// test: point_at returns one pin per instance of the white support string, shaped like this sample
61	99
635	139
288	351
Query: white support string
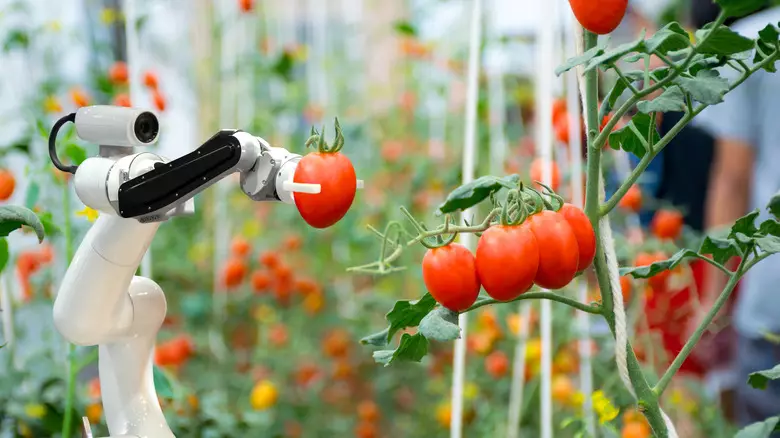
545	51
518	372
132	45
469	152
578	198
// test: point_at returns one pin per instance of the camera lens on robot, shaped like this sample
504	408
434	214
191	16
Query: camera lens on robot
146	127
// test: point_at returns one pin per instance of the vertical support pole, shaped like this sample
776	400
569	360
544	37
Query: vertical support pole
469	152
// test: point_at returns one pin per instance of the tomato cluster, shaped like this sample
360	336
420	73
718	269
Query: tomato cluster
548	249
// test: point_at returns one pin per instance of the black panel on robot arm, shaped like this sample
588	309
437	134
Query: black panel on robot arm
169	182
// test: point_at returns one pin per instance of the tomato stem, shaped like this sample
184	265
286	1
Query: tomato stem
534	295
551	193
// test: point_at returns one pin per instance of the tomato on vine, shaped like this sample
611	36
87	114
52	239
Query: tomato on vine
583	231
7	184
559	254
336	176
667	224
507	260
600	17
632	200
450	275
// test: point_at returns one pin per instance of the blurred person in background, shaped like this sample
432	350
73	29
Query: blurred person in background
743	178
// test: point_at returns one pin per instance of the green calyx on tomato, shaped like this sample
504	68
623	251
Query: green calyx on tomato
319	139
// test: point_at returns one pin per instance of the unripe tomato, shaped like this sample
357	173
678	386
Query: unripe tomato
79	97
450	275
583	230
7	184
264	395
563	389
497	364
536	173
507	260
600	17
658	281
559	253
667	224
632	200
334	173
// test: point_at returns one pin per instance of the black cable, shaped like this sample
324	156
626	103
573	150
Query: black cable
53	144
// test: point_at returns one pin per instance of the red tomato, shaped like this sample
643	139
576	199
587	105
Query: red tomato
150	79
159	100
561	128
600	17
667	224
246	5
507	260
537	173
118	73
497	364
625	288
122	99
240	247
261	281
450	275
583	230
632	200
559	254
559	110
335	174
270	259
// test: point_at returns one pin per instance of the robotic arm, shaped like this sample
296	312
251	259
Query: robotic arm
101	301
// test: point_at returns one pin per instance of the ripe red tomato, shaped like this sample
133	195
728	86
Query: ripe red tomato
246	5
150	79
497	364
625	288
600	17
559	110
559	253
561	128
667	224
583	230
334	173
240	246
632	200
507	260
450	275
657	282
118	73
159	100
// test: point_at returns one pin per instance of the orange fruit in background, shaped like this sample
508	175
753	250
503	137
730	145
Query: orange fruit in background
122	99
559	110
240	247
336	343
7	184
79	97
269	259
561	130
368	411
635	430
366	430
632	200
497	364
278	335
565	362
625	287
94	412
118	73
667	224
246	5
313	303
150	79
261	281
293	242
392	150
159	100
233	272
307	286
658	281
536	173
93	388
283	273
563	389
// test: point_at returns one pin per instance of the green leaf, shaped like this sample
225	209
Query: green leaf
670	38
769	244
760	379
12	218
745	225
582	59
722	41
706	87
284	65
618	52
705	62
769	227
377	339
761	429
3	253
411	349
617	90
473	193
162	384
774	205
49	228
740	8
16	39
672	99
75	153
440	325
31	197
408	314
405	28
625	138
722	250
658	267
766	45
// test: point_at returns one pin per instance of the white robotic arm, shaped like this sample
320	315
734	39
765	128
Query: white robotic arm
101	301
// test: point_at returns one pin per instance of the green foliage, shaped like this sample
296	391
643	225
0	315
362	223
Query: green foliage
13	217
760	379
658	267
440	325
706	87
636	136
670	38
412	348
473	193
162	383
405	28
3	253
672	99
408	314
740	8
761	429
722	41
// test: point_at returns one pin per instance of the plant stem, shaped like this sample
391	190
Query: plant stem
596	310
647	400
72	370
696	336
